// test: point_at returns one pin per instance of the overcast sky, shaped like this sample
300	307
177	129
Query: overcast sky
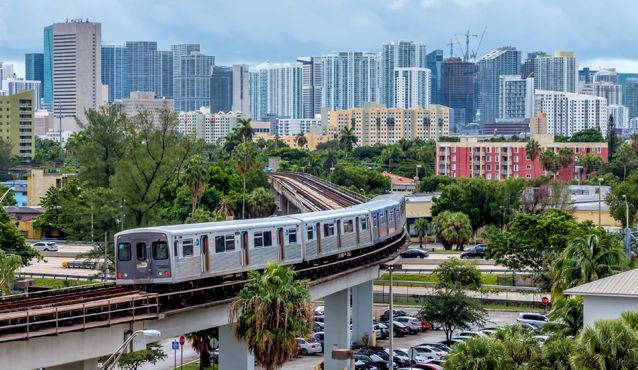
600	33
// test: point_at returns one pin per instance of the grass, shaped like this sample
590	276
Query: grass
486	279
194	366
56	283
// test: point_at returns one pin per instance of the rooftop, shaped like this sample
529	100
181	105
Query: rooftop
623	284
398	179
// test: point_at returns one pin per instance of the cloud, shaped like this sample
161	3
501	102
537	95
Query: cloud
621	65
397	4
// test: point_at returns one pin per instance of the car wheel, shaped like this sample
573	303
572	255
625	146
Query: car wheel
304	352
45	250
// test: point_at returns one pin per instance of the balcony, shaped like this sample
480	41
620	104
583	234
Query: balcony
25	119
26	112
504	172
26	126
477	163
477	172
25	140
441	170
25	105
504	163
441	162
26	155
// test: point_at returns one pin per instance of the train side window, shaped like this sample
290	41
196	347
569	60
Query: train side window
292	236
310	233
259	239
230	243
219	244
348	226
187	248
175	248
140	249
328	230
267	239
124	252
374	221
160	250
364	223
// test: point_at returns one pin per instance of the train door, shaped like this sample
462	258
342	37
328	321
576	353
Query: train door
318	233
356	221
339	234
142	259
203	241
245	248
282	247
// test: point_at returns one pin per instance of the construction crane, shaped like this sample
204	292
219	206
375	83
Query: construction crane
475	53
467	43
451	45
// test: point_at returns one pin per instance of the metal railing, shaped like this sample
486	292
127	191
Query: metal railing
39	275
426	284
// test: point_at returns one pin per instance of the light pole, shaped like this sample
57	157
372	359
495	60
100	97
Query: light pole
118	352
417	172
364	192
578	169
600	181
627	208
331	169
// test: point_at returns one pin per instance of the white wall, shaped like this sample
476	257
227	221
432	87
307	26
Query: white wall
597	307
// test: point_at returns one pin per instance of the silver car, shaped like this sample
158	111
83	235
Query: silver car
46	246
412	323
533	318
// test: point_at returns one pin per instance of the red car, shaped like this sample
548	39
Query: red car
425	326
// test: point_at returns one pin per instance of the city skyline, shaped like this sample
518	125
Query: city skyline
368	25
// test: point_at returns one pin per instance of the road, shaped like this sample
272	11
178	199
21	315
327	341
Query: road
53	265
169	363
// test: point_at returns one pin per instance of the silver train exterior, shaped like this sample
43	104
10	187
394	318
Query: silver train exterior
182	253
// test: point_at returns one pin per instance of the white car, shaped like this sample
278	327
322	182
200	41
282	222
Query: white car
309	346
420	354
46	246
377	331
533	318
412	323
472	334
319	311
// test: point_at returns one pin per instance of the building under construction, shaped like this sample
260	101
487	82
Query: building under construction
460	89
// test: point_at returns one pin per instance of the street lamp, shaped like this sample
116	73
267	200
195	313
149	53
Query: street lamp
364	192
578	169
331	169
600	181
417	172
627	208
118	352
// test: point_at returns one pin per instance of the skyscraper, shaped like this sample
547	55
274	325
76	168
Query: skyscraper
631	96
434	62
604	89
557	73
608	75
348	79
569	113
161	74
276	89
412	88
460	89
47	85
77	63
516	97
502	61
191	83
221	89
529	66
401	54
241	89
34	69
138	65
311	86
179	50
114	71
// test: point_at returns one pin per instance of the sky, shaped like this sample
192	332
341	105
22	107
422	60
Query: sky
600	33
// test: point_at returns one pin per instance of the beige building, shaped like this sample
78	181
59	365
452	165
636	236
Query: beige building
261	127
141	100
39	181
291	141
538	124
374	123
43	122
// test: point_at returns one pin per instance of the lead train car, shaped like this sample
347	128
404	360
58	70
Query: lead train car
181	253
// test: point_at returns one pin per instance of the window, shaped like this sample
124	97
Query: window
175	246
528	167
124	252
528	176
453	149
219	244
453	158
348	226
160	250
328	230
489	149
310	233
489	167
224	243
187	248
470	159
489	176
527	158
292	236
259	239
515	159
141	251
496	159
598	150
267	239
374	221
515	167
364	223
515	150
454	167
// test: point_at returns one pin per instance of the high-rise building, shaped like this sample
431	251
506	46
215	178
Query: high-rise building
77	63
191	79
502	61
557	73
138	65
586	75
568	113
529	65
621	115
412	88
146	100
631	97
460	89
348	79
212	127
12	86
311	86
289	126
607	75
47	85
162	73
114	71
434	62
229	89
34	69
16	124
276	89
241	89
7	71
516	97
401	54
604	89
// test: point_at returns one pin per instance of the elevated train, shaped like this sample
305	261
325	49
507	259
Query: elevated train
187	254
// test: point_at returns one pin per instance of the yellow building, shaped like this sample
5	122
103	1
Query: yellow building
16	122
39	181
291	141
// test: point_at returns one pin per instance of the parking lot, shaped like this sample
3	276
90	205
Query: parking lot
497	318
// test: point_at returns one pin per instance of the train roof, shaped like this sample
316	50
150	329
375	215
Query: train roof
313	216
391	197
254	222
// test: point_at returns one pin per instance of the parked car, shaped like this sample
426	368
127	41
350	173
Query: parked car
411	322
415	253
422	354
439	345
533	318
461	337
384	354
435	362
373	360
397	313
317	326
360	365
399	329
46	246
467	333
425	326
319	338
476	252
542	338
377	331
529	327
450	342
298	349
319	311
384	330
426	366
309	346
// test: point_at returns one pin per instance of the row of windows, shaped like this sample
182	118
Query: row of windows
159	251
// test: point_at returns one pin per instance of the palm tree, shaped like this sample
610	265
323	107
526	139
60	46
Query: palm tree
245	131
452	228
261	143
405	147
226	208
284	166
566	317
548	160
313	166
478	353
196	175
608	344
301	140
566	159
230	142
425	155
55	152
587	258
390	156
421	226
554	354
261	202
200	341
533	150
624	155
347	139
8	266
270	312
244	156
519	344
634	142
332	157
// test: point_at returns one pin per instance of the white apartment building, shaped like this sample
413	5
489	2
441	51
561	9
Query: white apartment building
605	89
621	115
349	79
209	126
516	97
557	73
289	126
140	100
12	86
568	113
277	89
412	87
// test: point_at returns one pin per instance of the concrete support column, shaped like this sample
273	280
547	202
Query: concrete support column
233	354
362	312
337	327
90	364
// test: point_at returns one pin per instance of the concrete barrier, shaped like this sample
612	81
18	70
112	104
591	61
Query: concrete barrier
437	261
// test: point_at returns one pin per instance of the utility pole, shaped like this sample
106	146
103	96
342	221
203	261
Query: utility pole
122	218
60	116
391	320
106	258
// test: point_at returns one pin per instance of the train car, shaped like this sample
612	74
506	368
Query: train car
388	216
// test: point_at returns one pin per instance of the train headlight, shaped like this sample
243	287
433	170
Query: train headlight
125	275
159	273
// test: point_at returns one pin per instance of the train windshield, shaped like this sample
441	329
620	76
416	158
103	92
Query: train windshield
160	251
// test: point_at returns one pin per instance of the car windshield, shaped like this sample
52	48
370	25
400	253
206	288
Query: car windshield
376	358
383	355
422	349
442	346
359	363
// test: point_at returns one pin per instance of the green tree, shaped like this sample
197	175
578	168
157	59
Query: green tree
455	273
588	258
231	140
200	342
360	177
134	360
478	353
270	312
244	157
314	166
634	143
9	199
301	140
390	157
608	344
565	158
8	266
201	216
245	130
12	241
533	150
347	139
421	226
432	183
624	155
566	317
554	354
261	203
611	139
519	344
449	139
590	135
7	160
328	145
548	161
196	174
261	143
453	228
